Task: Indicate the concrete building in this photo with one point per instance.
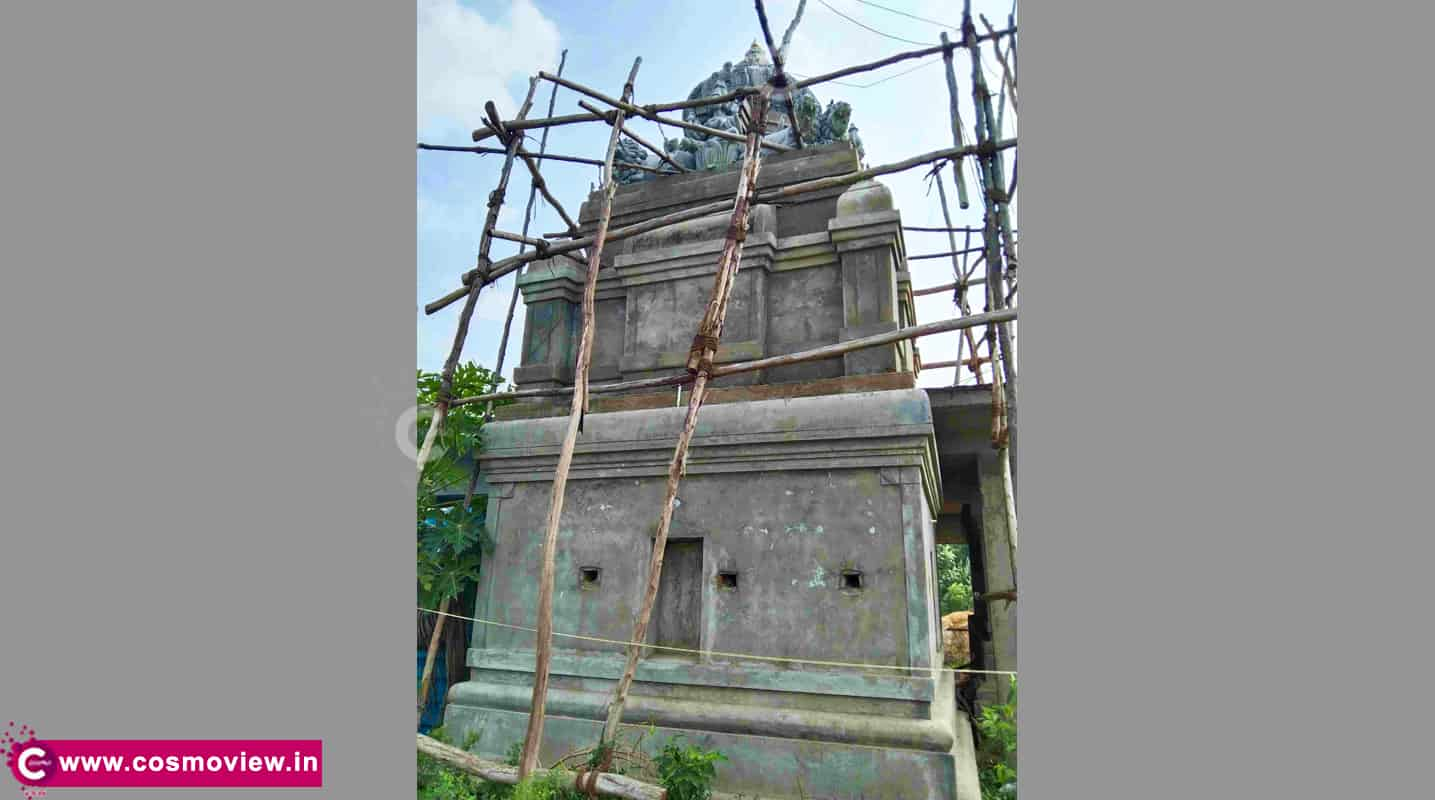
(806, 522)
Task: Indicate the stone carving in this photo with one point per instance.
(701, 152)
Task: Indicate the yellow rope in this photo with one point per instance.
(495, 623)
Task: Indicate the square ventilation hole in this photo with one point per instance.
(588, 577)
(851, 579)
(727, 580)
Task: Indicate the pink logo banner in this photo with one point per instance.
(163, 763)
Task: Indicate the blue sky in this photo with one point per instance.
(470, 52)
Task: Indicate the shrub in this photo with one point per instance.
(687, 772)
(996, 767)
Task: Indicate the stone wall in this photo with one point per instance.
(824, 268)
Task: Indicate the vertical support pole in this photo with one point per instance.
(427, 679)
(956, 127)
(533, 738)
(960, 295)
(998, 221)
(704, 349)
(527, 218)
(495, 202)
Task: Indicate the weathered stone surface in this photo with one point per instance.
(821, 508)
(821, 270)
(806, 521)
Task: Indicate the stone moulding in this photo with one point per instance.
(866, 429)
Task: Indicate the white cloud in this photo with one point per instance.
(465, 59)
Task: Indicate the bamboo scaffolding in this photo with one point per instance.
(597, 782)
(536, 173)
(1007, 75)
(507, 265)
(641, 112)
(542, 156)
(997, 221)
(704, 349)
(651, 110)
(544, 642)
(628, 132)
(738, 367)
(942, 229)
(495, 202)
(537, 244)
(946, 254)
(947, 287)
(962, 275)
(427, 678)
(779, 77)
(956, 363)
(956, 122)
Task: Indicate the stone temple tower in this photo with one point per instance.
(799, 590)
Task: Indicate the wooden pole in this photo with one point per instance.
(635, 137)
(735, 368)
(533, 738)
(705, 345)
(537, 180)
(430, 657)
(507, 265)
(779, 77)
(997, 222)
(956, 121)
(1008, 78)
(639, 111)
(495, 202)
(946, 287)
(542, 186)
(599, 782)
(649, 110)
(885, 62)
(960, 297)
(953, 253)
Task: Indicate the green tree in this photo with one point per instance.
(451, 536)
(954, 578)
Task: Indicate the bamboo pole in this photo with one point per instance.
(997, 221)
(601, 783)
(649, 110)
(944, 229)
(537, 175)
(635, 137)
(779, 77)
(946, 254)
(955, 363)
(960, 297)
(533, 738)
(429, 658)
(875, 340)
(507, 265)
(528, 124)
(946, 287)
(705, 345)
(535, 184)
(495, 202)
(884, 62)
(550, 157)
(639, 111)
(1007, 76)
(956, 122)
(737, 367)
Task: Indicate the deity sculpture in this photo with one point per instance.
(699, 151)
